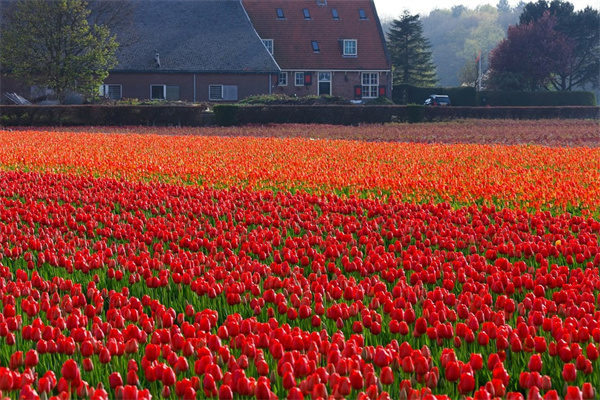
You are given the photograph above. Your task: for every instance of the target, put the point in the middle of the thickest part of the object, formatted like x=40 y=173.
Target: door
x=324 y=83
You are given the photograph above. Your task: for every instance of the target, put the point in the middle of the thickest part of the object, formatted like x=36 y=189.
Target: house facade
x=324 y=47
x=195 y=50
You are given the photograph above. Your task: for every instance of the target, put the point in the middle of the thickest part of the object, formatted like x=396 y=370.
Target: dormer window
x=361 y=14
x=334 y=14
x=350 y=47
x=306 y=13
x=280 y=14
x=268 y=44
x=315 y=46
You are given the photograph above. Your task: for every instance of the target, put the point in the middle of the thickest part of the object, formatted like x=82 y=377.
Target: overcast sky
x=390 y=9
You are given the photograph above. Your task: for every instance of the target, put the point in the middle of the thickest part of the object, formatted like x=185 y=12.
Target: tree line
x=535 y=46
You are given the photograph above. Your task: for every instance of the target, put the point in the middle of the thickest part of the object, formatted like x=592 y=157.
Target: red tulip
x=535 y=363
x=569 y=372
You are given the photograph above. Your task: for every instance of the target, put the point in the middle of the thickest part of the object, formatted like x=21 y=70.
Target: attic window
x=306 y=13
x=350 y=47
x=361 y=14
x=334 y=13
x=268 y=44
x=315 y=46
x=280 y=14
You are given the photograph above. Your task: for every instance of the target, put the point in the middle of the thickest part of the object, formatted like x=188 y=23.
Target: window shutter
x=230 y=92
x=307 y=79
x=382 y=91
x=358 y=91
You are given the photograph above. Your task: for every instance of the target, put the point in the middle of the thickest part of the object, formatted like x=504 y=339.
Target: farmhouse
x=191 y=51
x=324 y=47
x=227 y=50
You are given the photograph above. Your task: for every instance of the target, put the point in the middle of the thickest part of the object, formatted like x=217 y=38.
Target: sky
x=390 y=9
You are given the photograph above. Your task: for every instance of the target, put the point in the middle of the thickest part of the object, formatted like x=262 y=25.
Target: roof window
x=306 y=13
x=361 y=14
x=315 y=46
x=334 y=14
x=280 y=14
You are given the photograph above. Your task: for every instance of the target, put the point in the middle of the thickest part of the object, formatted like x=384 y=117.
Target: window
x=306 y=13
x=350 y=47
x=268 y=44
x=113 y=92
x=282 y=81
x=361 y=14
x=370 y=84
x=280 y=14
x=164 y=92
x=299 y=78
x=334 y=14
x=158 y=92
x=223 y=92
x=315 y=46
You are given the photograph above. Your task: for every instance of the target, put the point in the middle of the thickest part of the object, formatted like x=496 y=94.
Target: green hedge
x=227 y=115
x=408 y=94
x=356 y=114
x=467 y=96
x=562 y=98
x=100 y=115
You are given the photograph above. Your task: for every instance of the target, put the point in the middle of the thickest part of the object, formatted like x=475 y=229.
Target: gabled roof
x=293 y=35
x=204 y=36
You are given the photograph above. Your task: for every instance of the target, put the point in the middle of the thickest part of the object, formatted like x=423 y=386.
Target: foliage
x=458 y=34
x=297 y=100
x=529 y=56
x=543 y=98
x=410 y=52
x=381 y=100
x=460 y=96
x=226 y=114
x=51 y=44
x=581 y=27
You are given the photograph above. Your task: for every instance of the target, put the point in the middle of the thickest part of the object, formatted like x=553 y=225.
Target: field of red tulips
x=138 y=265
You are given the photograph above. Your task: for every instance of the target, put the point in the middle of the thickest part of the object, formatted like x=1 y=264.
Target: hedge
x=562 y=98
x=227 y=115
x=408 y=94
x=105 y=115
x=354 y=115
x=467 y=96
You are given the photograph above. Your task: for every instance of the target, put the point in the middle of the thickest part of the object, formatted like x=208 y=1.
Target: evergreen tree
x=410 y=52
x=51 y=44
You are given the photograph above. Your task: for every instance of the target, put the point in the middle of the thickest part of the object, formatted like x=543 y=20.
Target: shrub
x=226 y=114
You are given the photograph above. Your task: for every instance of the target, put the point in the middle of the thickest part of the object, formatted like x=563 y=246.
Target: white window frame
x=269 y=45
x=370 y=87
x=224 y=90
x=282 y=79
x=105 y=91
x=299 y=77
x=164 y=92
x=350 y=44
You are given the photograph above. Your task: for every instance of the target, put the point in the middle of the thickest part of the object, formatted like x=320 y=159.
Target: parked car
x=438 y=100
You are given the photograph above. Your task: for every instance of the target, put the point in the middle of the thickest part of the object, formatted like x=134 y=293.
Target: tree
x=410 y=52
x=528 y=57
x=51 y=44
x=582 y=28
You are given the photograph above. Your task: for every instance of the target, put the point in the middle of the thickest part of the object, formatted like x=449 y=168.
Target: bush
x=408 y=94
x=561 y=98
x=282 y=99
x=226 y=114
x=381 y=100
x=415 y=113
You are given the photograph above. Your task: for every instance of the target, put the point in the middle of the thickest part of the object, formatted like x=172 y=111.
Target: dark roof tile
x=193 y=36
